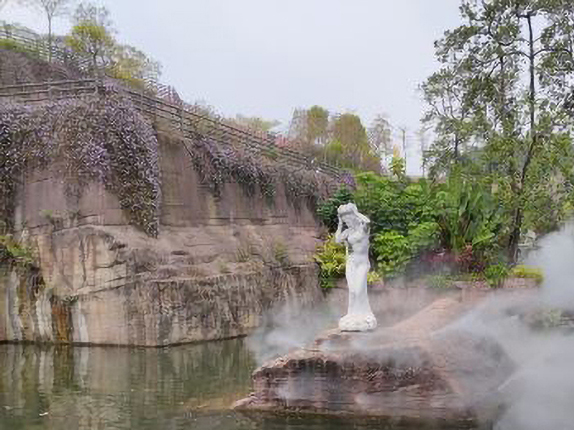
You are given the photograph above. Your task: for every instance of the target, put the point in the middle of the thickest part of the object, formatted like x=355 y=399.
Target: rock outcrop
x=218 y=264
x=418 y=369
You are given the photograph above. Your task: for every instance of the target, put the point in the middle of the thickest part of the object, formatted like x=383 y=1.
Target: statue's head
x=351 y=216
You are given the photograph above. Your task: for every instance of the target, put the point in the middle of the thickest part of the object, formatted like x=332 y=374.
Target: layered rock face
x=414 y=370
x=216 y=267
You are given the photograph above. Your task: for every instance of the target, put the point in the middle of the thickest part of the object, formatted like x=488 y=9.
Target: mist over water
x=288 y=327
x=540 y=393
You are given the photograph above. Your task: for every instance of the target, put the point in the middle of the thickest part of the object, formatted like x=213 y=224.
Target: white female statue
x=356 y=239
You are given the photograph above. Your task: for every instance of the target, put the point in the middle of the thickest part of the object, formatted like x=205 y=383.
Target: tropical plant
x=502 y=98
x=330 y=257
x=467 y=216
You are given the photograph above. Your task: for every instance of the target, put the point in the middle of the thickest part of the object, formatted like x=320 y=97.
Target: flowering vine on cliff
x=93 y=138
x=218 y=164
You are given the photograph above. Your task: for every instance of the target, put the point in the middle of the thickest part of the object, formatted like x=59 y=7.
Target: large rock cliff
x=217 y=265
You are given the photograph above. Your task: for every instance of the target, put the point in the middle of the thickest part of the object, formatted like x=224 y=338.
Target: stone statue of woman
x=356 y=239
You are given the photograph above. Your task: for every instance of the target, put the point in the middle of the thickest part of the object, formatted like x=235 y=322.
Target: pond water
x=184 y=387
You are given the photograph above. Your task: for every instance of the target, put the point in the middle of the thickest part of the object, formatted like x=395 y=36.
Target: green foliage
x=281 y=254
x=327 y=209
x=398 y=168
x=467 y=216
x=330 y=257
x=440 y=281
x=340 y=139
x=528 y=272
x=424 y=237
x=499 y=110
x=391 y=205
x=373 y=277
x=495 y=274
x=133 y=66
x=392 y=251
x=461 y=217
x=92 y=40
x=14 y=253
x=13 y=45
x=254 y=123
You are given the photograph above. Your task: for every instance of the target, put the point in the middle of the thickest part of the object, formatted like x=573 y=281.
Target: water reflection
x=120 y=388
x=185 y=387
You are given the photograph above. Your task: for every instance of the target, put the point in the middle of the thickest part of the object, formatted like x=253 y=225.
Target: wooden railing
x=190 y=122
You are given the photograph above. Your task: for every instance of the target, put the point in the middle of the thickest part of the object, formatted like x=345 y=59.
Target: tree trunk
x=50 y=39
x=519 y=213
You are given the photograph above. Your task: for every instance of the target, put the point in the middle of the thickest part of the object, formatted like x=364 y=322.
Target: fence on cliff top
x=153 y=99
x=190 y=123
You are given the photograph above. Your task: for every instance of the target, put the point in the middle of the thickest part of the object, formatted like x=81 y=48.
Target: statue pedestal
x=358 y=323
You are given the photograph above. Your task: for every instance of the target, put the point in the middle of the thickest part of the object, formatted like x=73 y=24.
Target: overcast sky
x=266 y=57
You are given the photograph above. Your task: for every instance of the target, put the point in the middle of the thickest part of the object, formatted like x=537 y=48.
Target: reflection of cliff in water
x=120 y=388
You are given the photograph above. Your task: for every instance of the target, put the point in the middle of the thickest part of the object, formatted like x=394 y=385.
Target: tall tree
x=380 y=138
x=350 y=137
x=317 y=128
x=51 y=9
x=92 y=35
x=98 y=15
x=502 y=45
x=449 y=112
x=422 y=139
x=134 y=66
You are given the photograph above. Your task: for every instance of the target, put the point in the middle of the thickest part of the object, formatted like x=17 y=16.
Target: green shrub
x=424 y=237
x=393 y=253
x=373 y=278
x=496 y=274
x=528 y=272
x=14 y=253
x=327 y=209
x=13 y=45
x=331 y=260
x=440 y=281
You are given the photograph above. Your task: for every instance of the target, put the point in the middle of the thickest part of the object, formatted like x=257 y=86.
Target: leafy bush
x=440 y=281
x=392 y=205
x=528 y=272
x=327 y=209
x=331 y=260
x=373 y=278
x=467 y=215
x=495 y=274
x=424 y=237
x=392 y=252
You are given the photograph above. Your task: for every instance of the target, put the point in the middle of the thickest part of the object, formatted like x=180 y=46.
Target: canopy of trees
x=501 y=107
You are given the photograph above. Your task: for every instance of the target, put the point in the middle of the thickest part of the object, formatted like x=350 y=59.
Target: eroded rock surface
x=416 y=369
